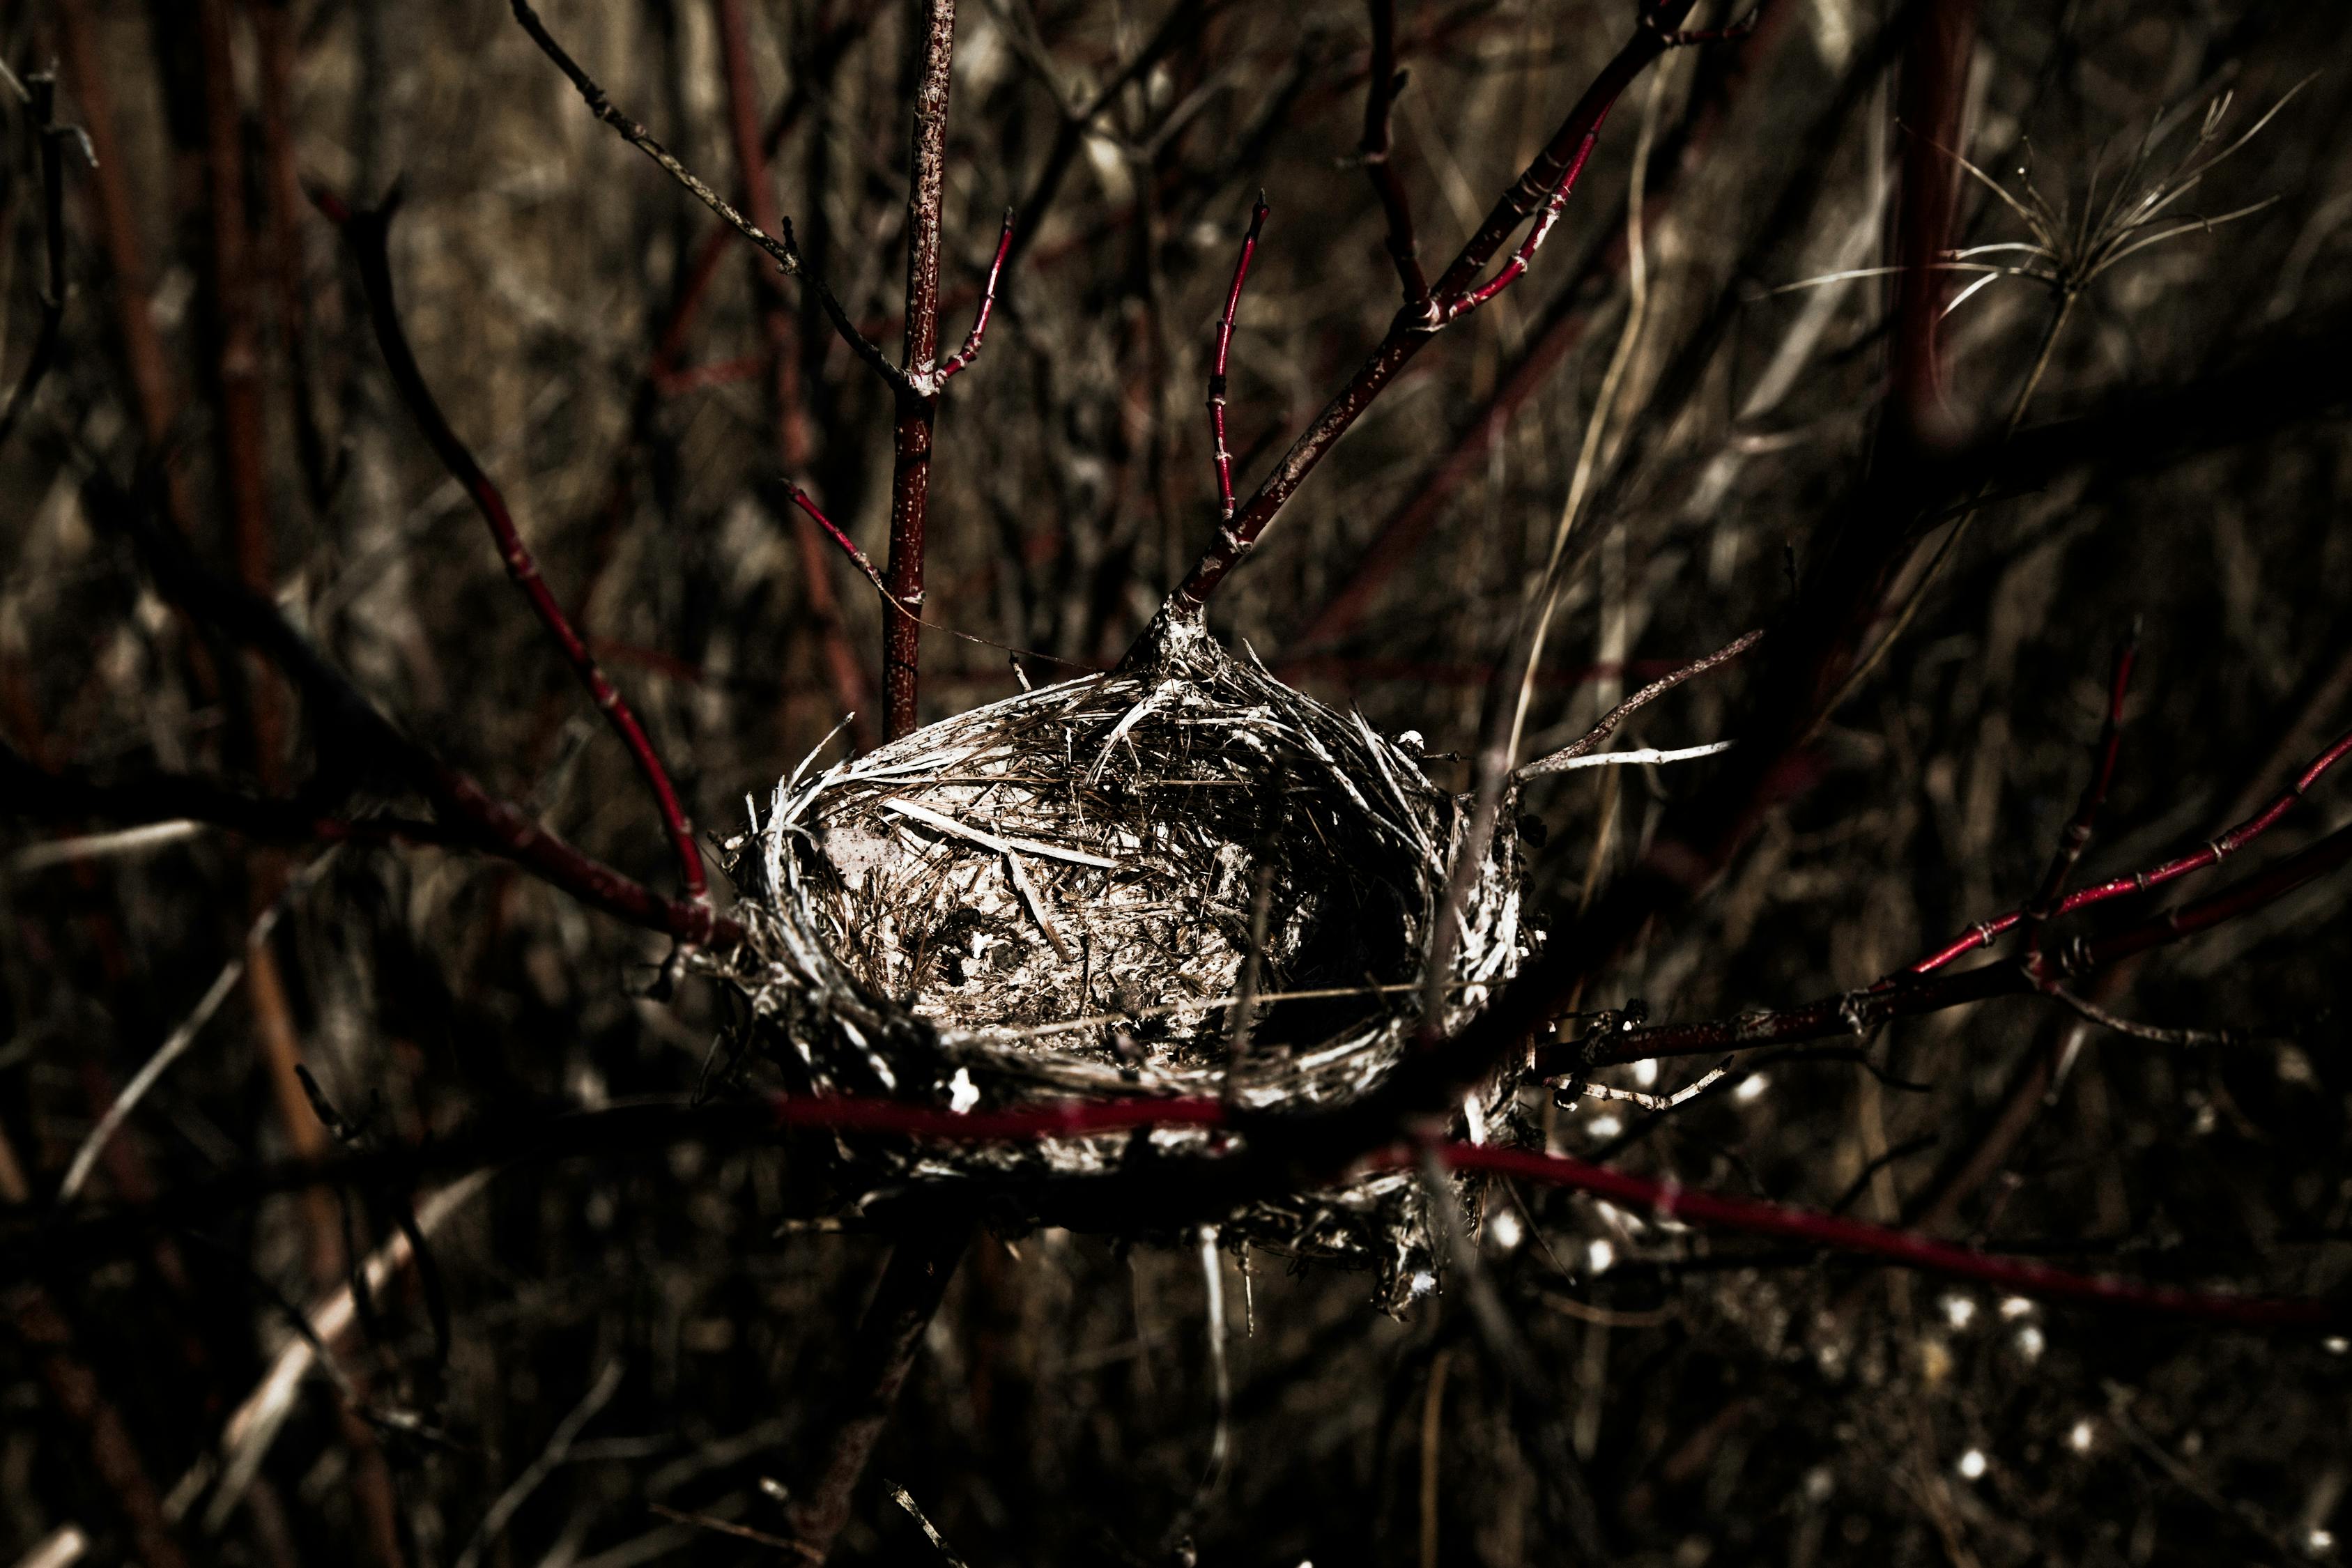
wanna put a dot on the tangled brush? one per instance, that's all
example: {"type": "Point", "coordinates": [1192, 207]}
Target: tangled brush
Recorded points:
{"type": "Point", "coordinates": [1183, 878]}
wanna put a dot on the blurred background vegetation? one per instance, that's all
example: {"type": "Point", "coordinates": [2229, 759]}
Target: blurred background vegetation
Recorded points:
{"type": "Point", "coordinates": [601, 1338]}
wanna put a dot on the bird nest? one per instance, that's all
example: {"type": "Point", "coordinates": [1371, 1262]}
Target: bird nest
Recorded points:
{"type": "Point", "coordinates": [1181, 879]}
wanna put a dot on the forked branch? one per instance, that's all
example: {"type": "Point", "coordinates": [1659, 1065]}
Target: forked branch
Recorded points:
{"type": "Point", "coordinates": [785, 252]}
{"type": "Point", "coordinates": [1539, 195]}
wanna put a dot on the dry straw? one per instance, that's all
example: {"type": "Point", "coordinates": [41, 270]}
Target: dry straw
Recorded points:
{"type": "Point", "coordinates": [1183, 878]}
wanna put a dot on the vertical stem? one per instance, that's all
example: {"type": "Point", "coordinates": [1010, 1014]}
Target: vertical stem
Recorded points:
{"type": "Point", "coordinates": [912, 1287]}
{"type": "Point", "coordinates": [118, 225]}
{"type": "Point", "coordinates": [245, 473]}
{"type": "Point", "coordinates": [1380, 99]}
{"type": "Point", "coordinates": [1933, 97]}
{"type": "Point", "coordinates": [273, 32]}
{"type": "Point", "coordinates": [910, 472]}
{"type": "Point", "coordinates": [841, 662]}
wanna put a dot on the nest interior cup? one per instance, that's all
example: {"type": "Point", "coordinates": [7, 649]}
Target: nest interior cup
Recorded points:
{"type": "Point", "coordinates": [1072, 890]}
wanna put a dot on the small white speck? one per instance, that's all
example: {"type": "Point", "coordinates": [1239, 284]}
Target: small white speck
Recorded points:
{"type": "Point", "coordinates": [2335, 1344]}
{"type": "Point", "coordinates": [1749, 1088]}
{"type": "Point", "coordinates": [2079, 1439]}
{"type": "Point", "coordinates": [1819, 1484]}
{"type": "Point", "coordinates": [1424, 1282]}
{"type": "Point", "coordinates": [1604, 1127]}
{"type": "Point", "coordinates": [961, 1095]}
{"type": "Point", "coordinates": [1972, 1465]}
{"type": "Point", "coordinates": [1408, 740]}
{"type": "Point", "coordinates": [2318, 1541]}
{"type": "Point", "coordinates": [1504, 1228]}
{"type": "Point", "coordinates": [2015, 1306]}
{"type": "Point", "coordinates": [1598, 1255]}
{"type": "Point", "coordinates": [1959, 1311]}
{"type": "Point", "coordinates": [2030, 1343]}
{"type": "Point", "coordinates": [1645, 1071]}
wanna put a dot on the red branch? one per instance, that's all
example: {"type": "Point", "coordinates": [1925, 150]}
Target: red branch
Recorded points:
{"type": "Point", "coordinates": [1539, 194]}
{"type": "Point", "coordinates": [799, 498]}
{"type": "Point", "coordinates": [2213, 854]}
{"type": "Point", "coordinates": [1909, 995]}
{"type": "Point", "coordinates": [369, 232]}
{"type": "Point", "coordinates": [1663, 1199]}
{"type": "Point", "coordinates": [1223, 457]}
{"type": "Point", "coordinates": [970, 350]}
{"type": "Point", "coordinates": [1667, 1200]}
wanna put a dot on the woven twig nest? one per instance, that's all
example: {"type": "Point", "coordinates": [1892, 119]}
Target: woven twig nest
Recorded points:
{"type": "Point", "coordinates": [1060, 894]}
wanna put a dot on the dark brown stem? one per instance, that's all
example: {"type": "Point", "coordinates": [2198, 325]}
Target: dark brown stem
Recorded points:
{"type": "Point", "coordinates": [912, 1287]}
{"type": "Point", "coordinates": [243, 440]}
{"type": "Point", "coordinates": [1381, 89]}
{"type": "Point", "coordinates": [916, 1280]}
{"type": "Point", "coordinates": [910, 468]}
{"type": "Point", "coordinates": [1539, 194]}
{"type": "Point", "coordinates": [370, 232]}
{"type": "Point", "coordinates": [2076, 836]}
{"type": "Point", "coordinates": [43, 87]}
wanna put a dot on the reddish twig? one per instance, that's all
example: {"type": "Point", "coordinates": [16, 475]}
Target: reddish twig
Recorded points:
{"type": "Point", "coordinates": [963, 356]}
{"type": "Point", "coordinates": [1905, 1249]}
{"type": "Point", "coordinates": [858, 558]}
{"type": "Point", "coordinates": [911, 465]}
{"type": "Point", "coordinates": [1561, 328]}
{"type": "Point", "coordinates": [49, 1338]}
{"type": "Point", "coordinates": [1910, 994]}
{"type": "Point", "coordinates": [1220, 454]}
{"type": "Point", "coordinates": [1383, 83]}
{"type": "Point", "coordinates": [1986, 933]}
{"type": "Point", "coordinates": [1666, 1199]}
{"type": "Point", "coordinates": [1539, 194]}
{"type": "Point", "coordinates": [1276, 1153]}
{"type": "Point", "coordinates": [369, 231]}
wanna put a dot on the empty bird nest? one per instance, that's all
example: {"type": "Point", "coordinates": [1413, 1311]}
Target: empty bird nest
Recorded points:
{"type": "Point", "coordinates": [1183, 878]}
